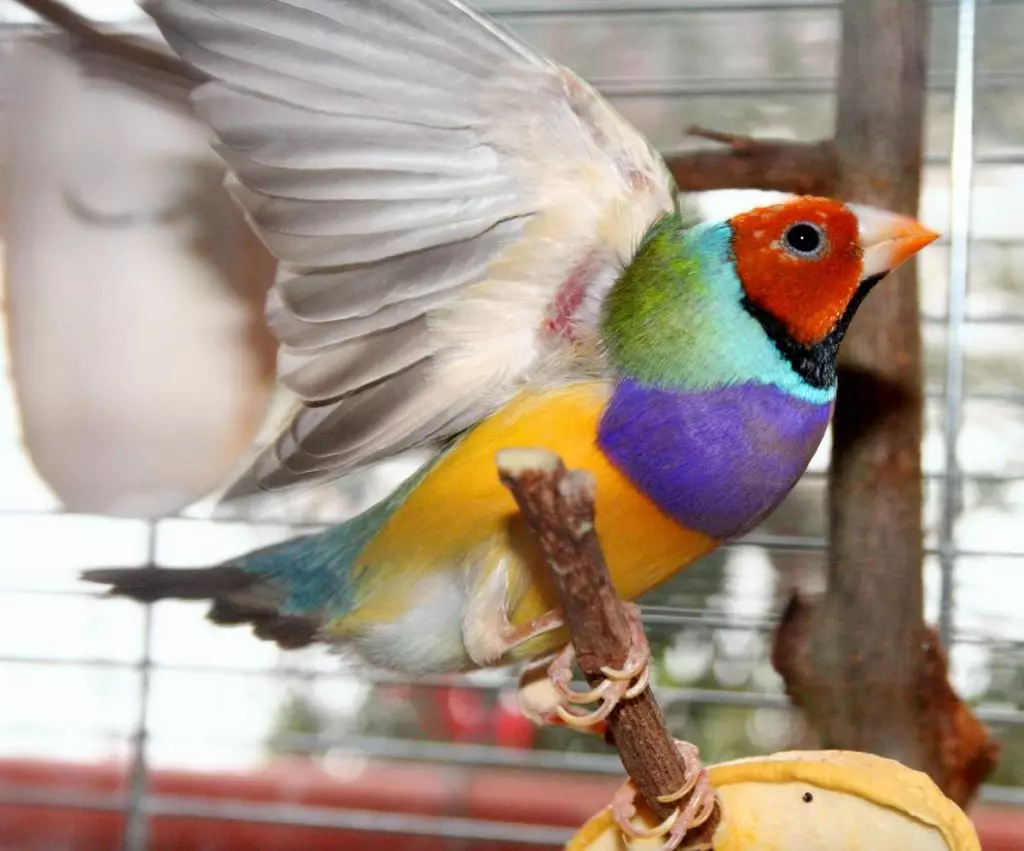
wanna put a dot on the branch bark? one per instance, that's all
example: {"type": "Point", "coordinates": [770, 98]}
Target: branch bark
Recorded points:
{"type": "Point", "coordinates": [558, 506]}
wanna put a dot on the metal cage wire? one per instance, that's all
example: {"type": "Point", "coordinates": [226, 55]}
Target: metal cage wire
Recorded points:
{"type": "Point", "coordinates": [963, 85]}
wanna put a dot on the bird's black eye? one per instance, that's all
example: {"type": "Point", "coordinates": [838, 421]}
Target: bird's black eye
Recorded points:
{"type": "Point", "coordinates": [804, 240]}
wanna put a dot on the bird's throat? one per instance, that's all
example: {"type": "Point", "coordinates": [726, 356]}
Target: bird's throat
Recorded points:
{"type": "Point", "coordinates": [815, 364]}
{"type": "Point", "coordinates": [716, 461]}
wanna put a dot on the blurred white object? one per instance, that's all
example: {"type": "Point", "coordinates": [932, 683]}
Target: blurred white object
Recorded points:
{"type": "Point", "coordinates": [141, 363]}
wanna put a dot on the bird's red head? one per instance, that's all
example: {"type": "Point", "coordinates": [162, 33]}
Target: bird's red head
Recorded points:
{"type": "Point", "coordinates": [803, 261]}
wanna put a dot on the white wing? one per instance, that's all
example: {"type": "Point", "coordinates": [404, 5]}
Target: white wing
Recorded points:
{"type": "Point", "coordinates": [447, 209]}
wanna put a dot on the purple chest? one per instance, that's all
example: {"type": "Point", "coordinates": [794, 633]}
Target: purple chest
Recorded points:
{"type": "Point", "coordinates": [716, 461]}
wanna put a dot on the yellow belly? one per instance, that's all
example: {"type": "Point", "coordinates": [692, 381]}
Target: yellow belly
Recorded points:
{"type": "Point", "coordinates": [461, 514]}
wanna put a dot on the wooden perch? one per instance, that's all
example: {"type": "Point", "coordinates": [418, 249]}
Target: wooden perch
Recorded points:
{"type": "Point", "coordinates": [558, 506]}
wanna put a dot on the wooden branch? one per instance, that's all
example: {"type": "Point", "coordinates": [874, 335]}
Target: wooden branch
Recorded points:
{"type": "Point", "coordinates": [803, 168]}
{"type": "Point", "coordinates": [558, 506]}
{"type": "Point", "coordinates": [85, 33]}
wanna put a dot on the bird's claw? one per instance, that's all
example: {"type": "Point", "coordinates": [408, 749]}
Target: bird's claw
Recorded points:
{"type": "Point", "coordinates": [683, 819]}
{"type": "Point", "coordinates": [619, 683]}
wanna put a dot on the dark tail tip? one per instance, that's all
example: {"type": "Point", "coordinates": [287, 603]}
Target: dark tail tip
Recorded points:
{"type": "Point", "coordinates": [149, 584]}
{"type": "Point", "coordinates": [236, 597]}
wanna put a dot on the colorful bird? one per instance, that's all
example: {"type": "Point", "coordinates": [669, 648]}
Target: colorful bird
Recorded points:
{"type": "Point", "coordinates": [478, 253]}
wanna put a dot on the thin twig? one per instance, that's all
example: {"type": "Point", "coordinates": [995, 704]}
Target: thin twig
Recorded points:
{"type": "Point", "coordinates": [83, 31]}
{"type": "Point", "coordinates": [558, 506]}
{"type": "Point", "coordinates": [803, 168]}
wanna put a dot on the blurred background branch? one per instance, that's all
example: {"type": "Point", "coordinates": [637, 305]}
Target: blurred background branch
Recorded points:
{"type": "Point", "coordinates": [752, 163]}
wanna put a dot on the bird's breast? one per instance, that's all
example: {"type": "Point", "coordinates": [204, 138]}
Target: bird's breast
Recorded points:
{"type": "Point", "coordinates": [460, 508]}
{"type": "Point", "coordinates": [717, 461]}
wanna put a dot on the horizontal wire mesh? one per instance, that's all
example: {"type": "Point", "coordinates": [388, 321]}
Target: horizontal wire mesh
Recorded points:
{"type": "Point", "coordinates": [695, 624]}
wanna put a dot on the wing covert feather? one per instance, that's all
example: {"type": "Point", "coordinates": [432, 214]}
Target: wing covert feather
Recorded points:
{"type": "Point", "coordinates": [428, 185]}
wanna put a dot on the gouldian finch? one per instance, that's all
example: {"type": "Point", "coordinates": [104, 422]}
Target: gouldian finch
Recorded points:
{"type": "Point", "coordinates": [806, 800]}
{"type": "Point", "coordinates": [476, 252]}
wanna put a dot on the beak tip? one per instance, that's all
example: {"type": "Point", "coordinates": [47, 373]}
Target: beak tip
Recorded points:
{"type": "Point", "coordinates": [889, 239]}
{"type": "Point", "coordinates": [923, 238]}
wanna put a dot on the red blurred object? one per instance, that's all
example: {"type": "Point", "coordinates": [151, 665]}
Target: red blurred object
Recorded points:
{"type": "Point", "coordinates": [1000, 828]}
{"type": "Point", "coordinates": [387, 787]}
{"type": "Point", "coordinates": [507, 795]}
{"type": "Point", "coordinates": [466, 715]}
{"type": "Point", "coordinates": [511, 728]}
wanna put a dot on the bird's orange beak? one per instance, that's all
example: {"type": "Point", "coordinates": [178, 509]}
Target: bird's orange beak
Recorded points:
{"type": "Point", "coordinates": [888, 238]}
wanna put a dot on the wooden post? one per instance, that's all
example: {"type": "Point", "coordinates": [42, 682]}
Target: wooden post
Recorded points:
{"type": "Point", "coordinates": [861, 662]}
{"type": "Point", "coordinates": [873, 610]}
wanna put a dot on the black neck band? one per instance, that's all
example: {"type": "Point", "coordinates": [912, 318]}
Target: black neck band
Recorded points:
{"type": "Point", "coordinates": [814, 364]}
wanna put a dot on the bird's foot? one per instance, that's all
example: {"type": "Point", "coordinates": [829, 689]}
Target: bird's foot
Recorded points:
{"type": "Point", "coordinates": [619, 683]}
{"type": "Point", "coordinates": [683, 819]}
{"type": "Point", "coordinates": [539, 698]}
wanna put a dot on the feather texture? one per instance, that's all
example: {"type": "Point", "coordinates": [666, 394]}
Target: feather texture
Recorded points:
{"type": "Point", "coordinates": [235, 596]}
{"type": "Point", "coordinates": [430, 186]}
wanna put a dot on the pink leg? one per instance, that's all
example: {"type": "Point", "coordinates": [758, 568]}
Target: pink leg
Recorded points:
{"type": "Point", "coordinates": [698, 809]}
{"type": "Point", "coordinates": [627, 682]}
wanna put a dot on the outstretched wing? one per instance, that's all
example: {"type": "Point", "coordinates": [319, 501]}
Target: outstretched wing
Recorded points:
{"type": "Point", "coordinates": [447, 208]}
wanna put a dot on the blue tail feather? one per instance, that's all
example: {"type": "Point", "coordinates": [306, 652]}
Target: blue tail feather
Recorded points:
{"type": "Point", "coordinates": [284, 591]}
{"type": "Point", "coordinates": [314, 570]}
